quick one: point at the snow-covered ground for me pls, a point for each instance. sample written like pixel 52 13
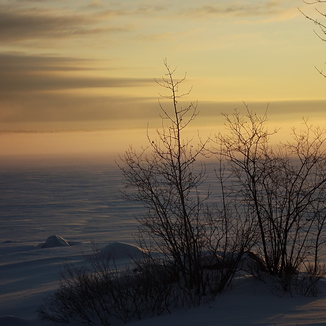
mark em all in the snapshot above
pixel 80 204
pixel 30 273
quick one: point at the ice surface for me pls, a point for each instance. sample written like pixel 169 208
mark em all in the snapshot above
pixel 81 204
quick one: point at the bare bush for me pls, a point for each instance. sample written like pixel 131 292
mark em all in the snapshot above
pixel 282 187
pixel 307 283
pixel 98 292
pixel 167 179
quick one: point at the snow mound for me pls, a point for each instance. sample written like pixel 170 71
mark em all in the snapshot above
pixel 121 250
pixel 55 241
pixel 252 262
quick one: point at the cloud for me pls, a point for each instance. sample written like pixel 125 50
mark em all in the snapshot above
pixel 41 88
pixel 30 24
pixel 241 9
pixel 29 82
pixel 71 108
pixel 22 73
pixel 67 112
pixel 137 10
pixel 20 62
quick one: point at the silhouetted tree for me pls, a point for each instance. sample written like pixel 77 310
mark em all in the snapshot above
pixel 321 24
pixel 283 187
pixel 166 178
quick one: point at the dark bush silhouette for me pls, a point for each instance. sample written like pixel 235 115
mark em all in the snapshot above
pixel 167 178
pixel 283 188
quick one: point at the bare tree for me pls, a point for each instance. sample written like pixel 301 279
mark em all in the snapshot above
pixel 166 182
pixel 283 187
pixel 321 24
pixel 167 178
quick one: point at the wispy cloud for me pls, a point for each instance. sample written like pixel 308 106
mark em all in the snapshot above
pixel 22 73
pixel 41 88
pixel 28 24
pixel 137 11
pixel 240 9
pixel 20 62
pixel 11 83
pixel 72 107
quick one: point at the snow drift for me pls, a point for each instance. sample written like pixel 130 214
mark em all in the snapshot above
pixel 121 250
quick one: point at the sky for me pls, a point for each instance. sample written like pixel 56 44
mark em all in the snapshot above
pixel 80 75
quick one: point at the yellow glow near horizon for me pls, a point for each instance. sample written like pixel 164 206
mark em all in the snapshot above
pixel 108 145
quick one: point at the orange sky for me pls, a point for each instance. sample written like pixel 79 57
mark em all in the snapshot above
pixel 90 65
